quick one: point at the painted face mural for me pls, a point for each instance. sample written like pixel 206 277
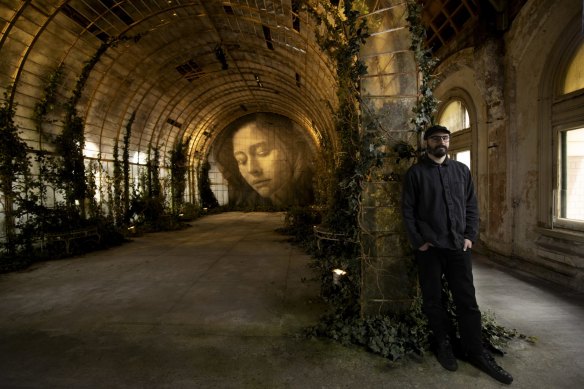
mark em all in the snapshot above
pixel 262 160
pixel 266 160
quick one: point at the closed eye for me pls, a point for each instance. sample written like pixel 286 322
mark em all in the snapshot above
pixel 241 158
pixel 262 149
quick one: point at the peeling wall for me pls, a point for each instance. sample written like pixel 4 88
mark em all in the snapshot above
pixel 507 79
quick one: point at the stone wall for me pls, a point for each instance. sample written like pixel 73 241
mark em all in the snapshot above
pixel 389 94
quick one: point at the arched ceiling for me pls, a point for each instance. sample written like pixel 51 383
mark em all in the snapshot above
pixel 197 66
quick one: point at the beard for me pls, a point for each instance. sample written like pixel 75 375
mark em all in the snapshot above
pixel 438 151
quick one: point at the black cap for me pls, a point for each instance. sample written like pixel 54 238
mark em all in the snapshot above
pixel 434 129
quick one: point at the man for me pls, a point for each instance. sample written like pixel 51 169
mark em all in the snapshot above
pixel 441 218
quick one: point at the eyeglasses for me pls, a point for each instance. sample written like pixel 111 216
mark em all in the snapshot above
pixel 438 138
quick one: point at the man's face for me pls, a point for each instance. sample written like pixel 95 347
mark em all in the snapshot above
pixel 437 144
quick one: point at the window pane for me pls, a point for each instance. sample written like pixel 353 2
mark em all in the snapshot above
pixel 572 175
pixel 575 74
pixel 455 116
pixel 463 156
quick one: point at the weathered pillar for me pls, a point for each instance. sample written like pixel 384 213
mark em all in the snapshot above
pixel 389 94
pixel 489 76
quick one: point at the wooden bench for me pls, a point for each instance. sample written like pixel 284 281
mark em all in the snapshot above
pixel 69 236
pixel 322 233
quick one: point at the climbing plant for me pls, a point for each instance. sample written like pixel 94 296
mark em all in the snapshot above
pixel 48 101
pixel 178 172
pixel 14 169
pixel 70 143
pixel 427 103
pixel 115 199
pixel 121 177
pixel 153 169
pixel 340 34
pixel 45 160
pixel 126 168
pixel 207 197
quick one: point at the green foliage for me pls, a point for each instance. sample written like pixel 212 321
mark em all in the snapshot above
pixel 394 337
pixel 178 172
pixel 340 34
pixel 46 162
pixel 69 145
pixel 70 173
pixel 190 211
pixel 126 168
pixel 115 204
pixel 28 220
pixel 298 224
pixel 48 101
pixel 95 170
pixel 153 172
pixel 427 103
pixel 121 180
pixel 497 337
pixel 208 199
pixel 14 170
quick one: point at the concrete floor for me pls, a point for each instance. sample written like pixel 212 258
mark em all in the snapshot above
pixel 221 304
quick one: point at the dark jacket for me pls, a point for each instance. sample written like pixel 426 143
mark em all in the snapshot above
pixel 439 204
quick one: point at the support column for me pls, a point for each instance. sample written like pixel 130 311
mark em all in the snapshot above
pixel 389 94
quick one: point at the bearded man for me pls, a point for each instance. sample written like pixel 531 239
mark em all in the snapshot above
pixel 440 213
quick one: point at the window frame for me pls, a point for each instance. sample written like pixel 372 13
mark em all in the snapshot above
pixel 558 129
pixel 463 139
pixel 559 113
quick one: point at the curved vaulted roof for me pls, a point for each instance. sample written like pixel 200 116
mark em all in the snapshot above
pixel 194 67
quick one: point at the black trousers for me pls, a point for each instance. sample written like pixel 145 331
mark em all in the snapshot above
pixel 456 265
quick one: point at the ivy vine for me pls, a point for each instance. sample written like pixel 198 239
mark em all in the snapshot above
pixel 121 180
pixel 178 172
pixel 207 197
pixel 14 170
pixel 340 34
pixel 126 168
pixel 70 143
pixel 427 103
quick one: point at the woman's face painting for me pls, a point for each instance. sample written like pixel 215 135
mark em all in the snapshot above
pixel 261 159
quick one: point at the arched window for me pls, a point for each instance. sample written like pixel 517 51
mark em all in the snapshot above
pixel 454 116
pixel 574 77
pixel 568 132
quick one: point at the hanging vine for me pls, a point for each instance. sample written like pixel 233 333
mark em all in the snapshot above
pixel 48 101
pixel 126 168
pixel 115 204
pixel 14 169
pixel 427 103
pixel 207 197
pixel 340 34
pixel 393 335
pixel 178 171
pixel 121 180
pixel 70 143
pixel 39 216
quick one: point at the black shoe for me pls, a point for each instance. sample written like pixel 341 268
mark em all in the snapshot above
pixel 445 356
pixel 486 363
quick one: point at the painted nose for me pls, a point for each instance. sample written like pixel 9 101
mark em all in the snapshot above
pixel 253 167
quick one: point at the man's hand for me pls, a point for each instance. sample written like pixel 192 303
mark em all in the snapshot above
pixel 425 246
pixel 467 245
